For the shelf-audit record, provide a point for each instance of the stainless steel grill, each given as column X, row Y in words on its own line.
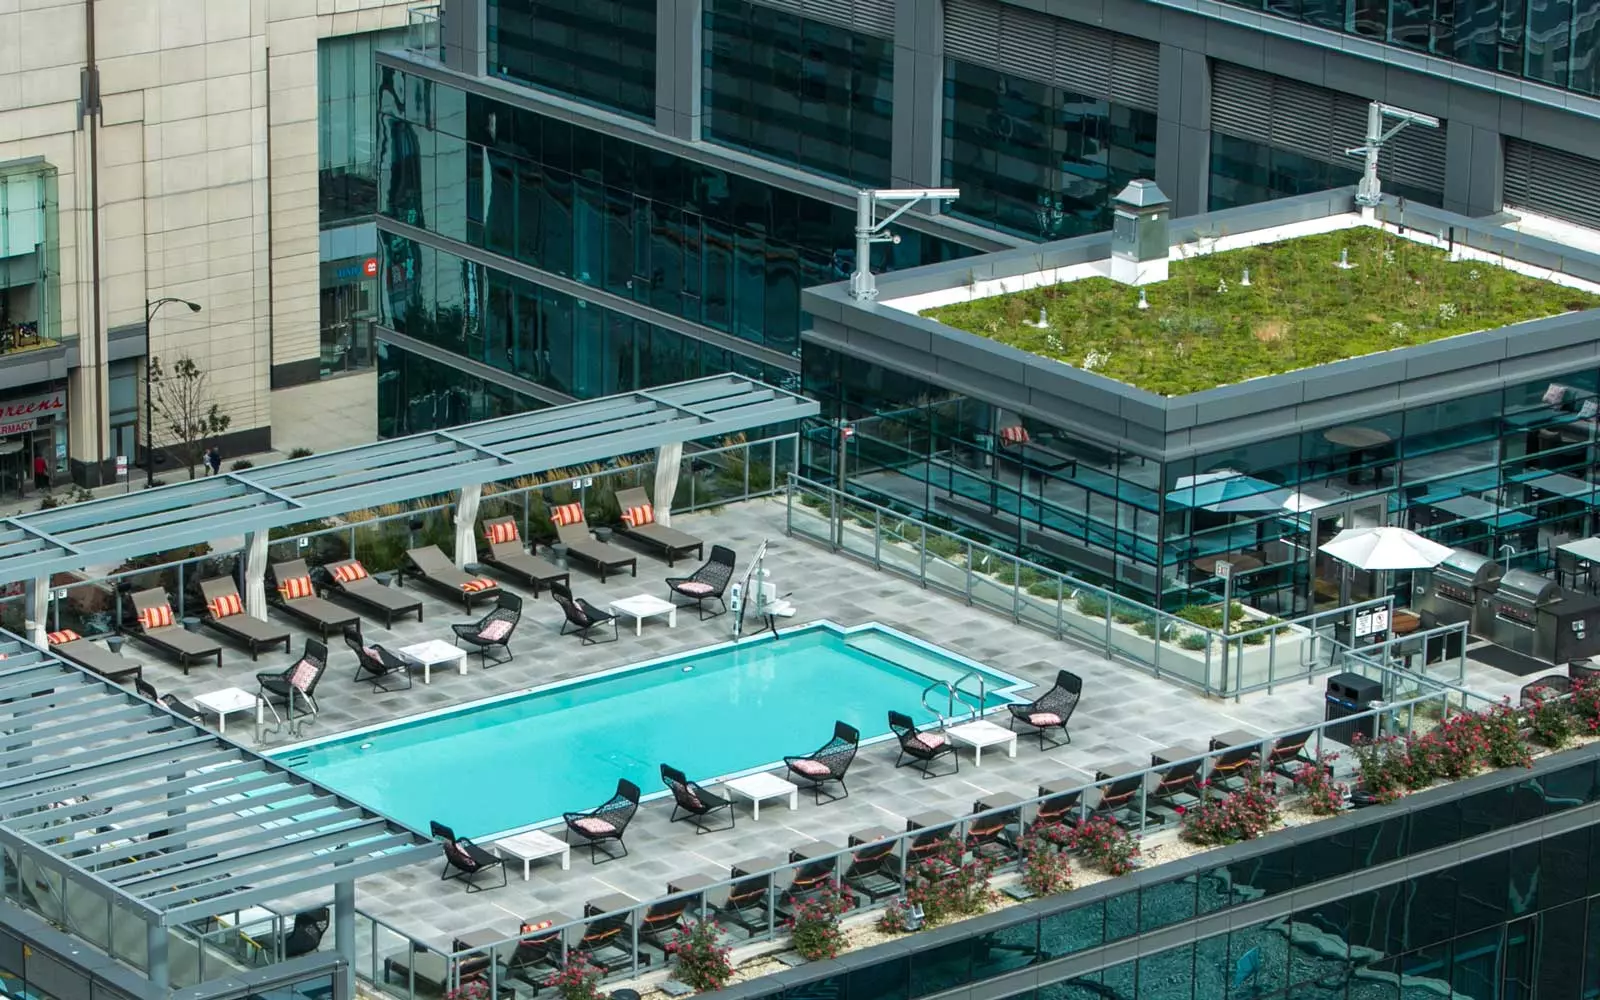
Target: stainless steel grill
column 1460, row 589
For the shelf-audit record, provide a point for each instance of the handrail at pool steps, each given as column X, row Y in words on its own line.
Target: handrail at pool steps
column 1172, row 648
column 1397, row 718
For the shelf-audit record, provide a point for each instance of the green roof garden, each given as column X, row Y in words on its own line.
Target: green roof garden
column 1206, row 327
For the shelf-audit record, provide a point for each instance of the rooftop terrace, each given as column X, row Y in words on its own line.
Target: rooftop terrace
column 1261, row 303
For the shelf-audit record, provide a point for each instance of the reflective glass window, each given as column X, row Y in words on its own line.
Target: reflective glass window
column 600, row 51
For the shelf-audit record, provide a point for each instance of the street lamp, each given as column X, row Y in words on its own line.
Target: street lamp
column 150, row 310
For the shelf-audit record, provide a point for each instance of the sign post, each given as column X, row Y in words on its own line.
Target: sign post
column 122, row 473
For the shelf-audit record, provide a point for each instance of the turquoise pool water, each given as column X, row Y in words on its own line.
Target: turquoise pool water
column 517, row 761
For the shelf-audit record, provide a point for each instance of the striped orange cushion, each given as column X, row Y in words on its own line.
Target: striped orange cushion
column 474, row 586
column 643, row 514
column 349, row 572
column 567, row 513
column 65, row 635
column 159, row 617
column 1015, row 434
column 295, row 588
column 500, row 531
column 228, row 604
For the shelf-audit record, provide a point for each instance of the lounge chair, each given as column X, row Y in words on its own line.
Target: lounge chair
column 660, row 919
column 350, row 580
column 299, row 682
column 874, row 871
column 706, row 583
column 430, row 564
column 158, row 626
column 537, row 954
column 297, row 595
column 493, row 630
column 828, row 762
column 808, row 879
column 606, row 822
column 1289, row 751
column 225, row 613
column 922, row 748
column 606, row 946
column 639, row 523
column 507, row 555
column 994, row 835
column 1051, row 710
column 468, row 859
column 930, row 849
column 374, row 664
column 572, row 532
column 432, row 972
column 1060, row 805
column 1227, row 769
column 697, row 803
column 171, row 703
column 583, row 617
column 73, row 648
column 1177, row 787
column 746, row 907
column 1118, row 800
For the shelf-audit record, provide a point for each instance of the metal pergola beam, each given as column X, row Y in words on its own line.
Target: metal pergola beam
column 31, row 794
column 155, row 799
column 374, row 832
column 266, row 893
column 179, row 842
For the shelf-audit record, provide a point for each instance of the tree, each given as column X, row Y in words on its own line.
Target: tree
column 185, row 410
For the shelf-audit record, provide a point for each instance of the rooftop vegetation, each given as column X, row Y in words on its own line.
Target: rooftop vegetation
column 1206, row 327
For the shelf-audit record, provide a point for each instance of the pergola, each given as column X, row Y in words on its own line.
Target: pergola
column 109, row 531
column 123, row 820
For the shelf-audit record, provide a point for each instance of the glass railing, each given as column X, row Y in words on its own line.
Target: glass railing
column 422, row 31
column 753, row 905
column 1257, row 652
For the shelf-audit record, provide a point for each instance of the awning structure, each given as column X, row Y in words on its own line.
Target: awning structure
column 108, row 531
column 109, row 801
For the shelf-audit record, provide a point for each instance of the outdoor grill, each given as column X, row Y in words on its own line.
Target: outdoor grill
column 1517, row 606
column 1460, row 589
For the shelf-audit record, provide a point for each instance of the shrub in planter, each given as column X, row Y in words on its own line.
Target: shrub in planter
column 1105, row 845
column 472, row 989
column 1314, row 780
column 814, row 928
column 1380, row 778
column 1242, row 815
column 578, row 980
column 1147, row 628
column 1044, row 867
column 1585, row 704
column 702, row 961
column 1550, row 723
column 1195, row 641
column 1090, row 605
column 1502, row 735
column 896, row 918
column 1456, row 748
column 947, row 888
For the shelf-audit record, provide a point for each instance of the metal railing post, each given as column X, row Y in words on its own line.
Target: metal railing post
column 1016, row 590
column 1061, row 611
column 181, row 589
column 772, row 466
column 968, row 546
column 922, row 556
column 877, row 539
column 746, row 472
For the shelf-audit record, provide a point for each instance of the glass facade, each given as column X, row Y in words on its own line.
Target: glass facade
column 347, row 185
column 30, row 257
column 1552, row 41
column 598, row 51
column 570, row 345
column 802, row 91
column 417, row 394
column 1474, row 472
column 1520, row 924
column 1245, row 172
column 689, row 240
column 1036, row 160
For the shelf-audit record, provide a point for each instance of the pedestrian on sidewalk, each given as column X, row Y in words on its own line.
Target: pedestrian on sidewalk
column 213, row 460
column 41, row 473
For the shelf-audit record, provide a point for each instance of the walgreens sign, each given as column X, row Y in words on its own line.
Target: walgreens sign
column 13, row 410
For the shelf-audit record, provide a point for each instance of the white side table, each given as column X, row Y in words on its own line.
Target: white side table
column 645, row 606
column 980, row 734
column 434, row 653
column 533, row 845
column 225, row 702
column 757, row 787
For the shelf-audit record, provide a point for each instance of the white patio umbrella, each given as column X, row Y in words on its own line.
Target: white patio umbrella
column 1385, row 549
column 1299, row 502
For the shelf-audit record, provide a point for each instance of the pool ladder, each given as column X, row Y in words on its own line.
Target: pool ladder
column 954, row 694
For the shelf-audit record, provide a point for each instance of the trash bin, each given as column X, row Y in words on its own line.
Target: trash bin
column 1347, row 695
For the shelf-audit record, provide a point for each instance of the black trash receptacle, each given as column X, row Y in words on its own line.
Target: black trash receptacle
column 1347, row 695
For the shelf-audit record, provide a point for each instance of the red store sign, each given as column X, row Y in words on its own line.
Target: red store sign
column 33, row 407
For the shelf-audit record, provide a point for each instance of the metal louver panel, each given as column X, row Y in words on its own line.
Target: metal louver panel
column 1241, row 103
column 1415, row 157
column 872, row 16
column 1552, row 182
column 1085, row 60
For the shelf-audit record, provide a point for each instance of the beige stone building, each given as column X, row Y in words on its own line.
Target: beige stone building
column 153, row 149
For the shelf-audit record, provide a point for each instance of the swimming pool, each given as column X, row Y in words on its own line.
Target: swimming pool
column 522, row 759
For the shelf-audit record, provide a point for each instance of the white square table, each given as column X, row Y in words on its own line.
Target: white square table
column 645, row 606
column 533, row 845
column 757, row 787
column 434, row 653
column 980, row 734
column 1584, row 548
column 224, row 702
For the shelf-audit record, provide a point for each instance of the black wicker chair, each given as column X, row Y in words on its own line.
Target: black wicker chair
column 171, row 703
column 1051, row 710
column 468, row 859
column 695, row 802
column 374, row 664
column 296, row 683
column 493, row 630
column 583, row 618
column 828, row 762
column 305, row 936
column 607, row 822
column 706, row 583
column 923, row 749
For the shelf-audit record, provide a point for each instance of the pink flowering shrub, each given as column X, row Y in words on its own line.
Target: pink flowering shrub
column 702, row 958
column 1044, row 867
column 1242, row 815
column 1314, row 780
column 814, row 927
column 578, row 980
column 1105, row 845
